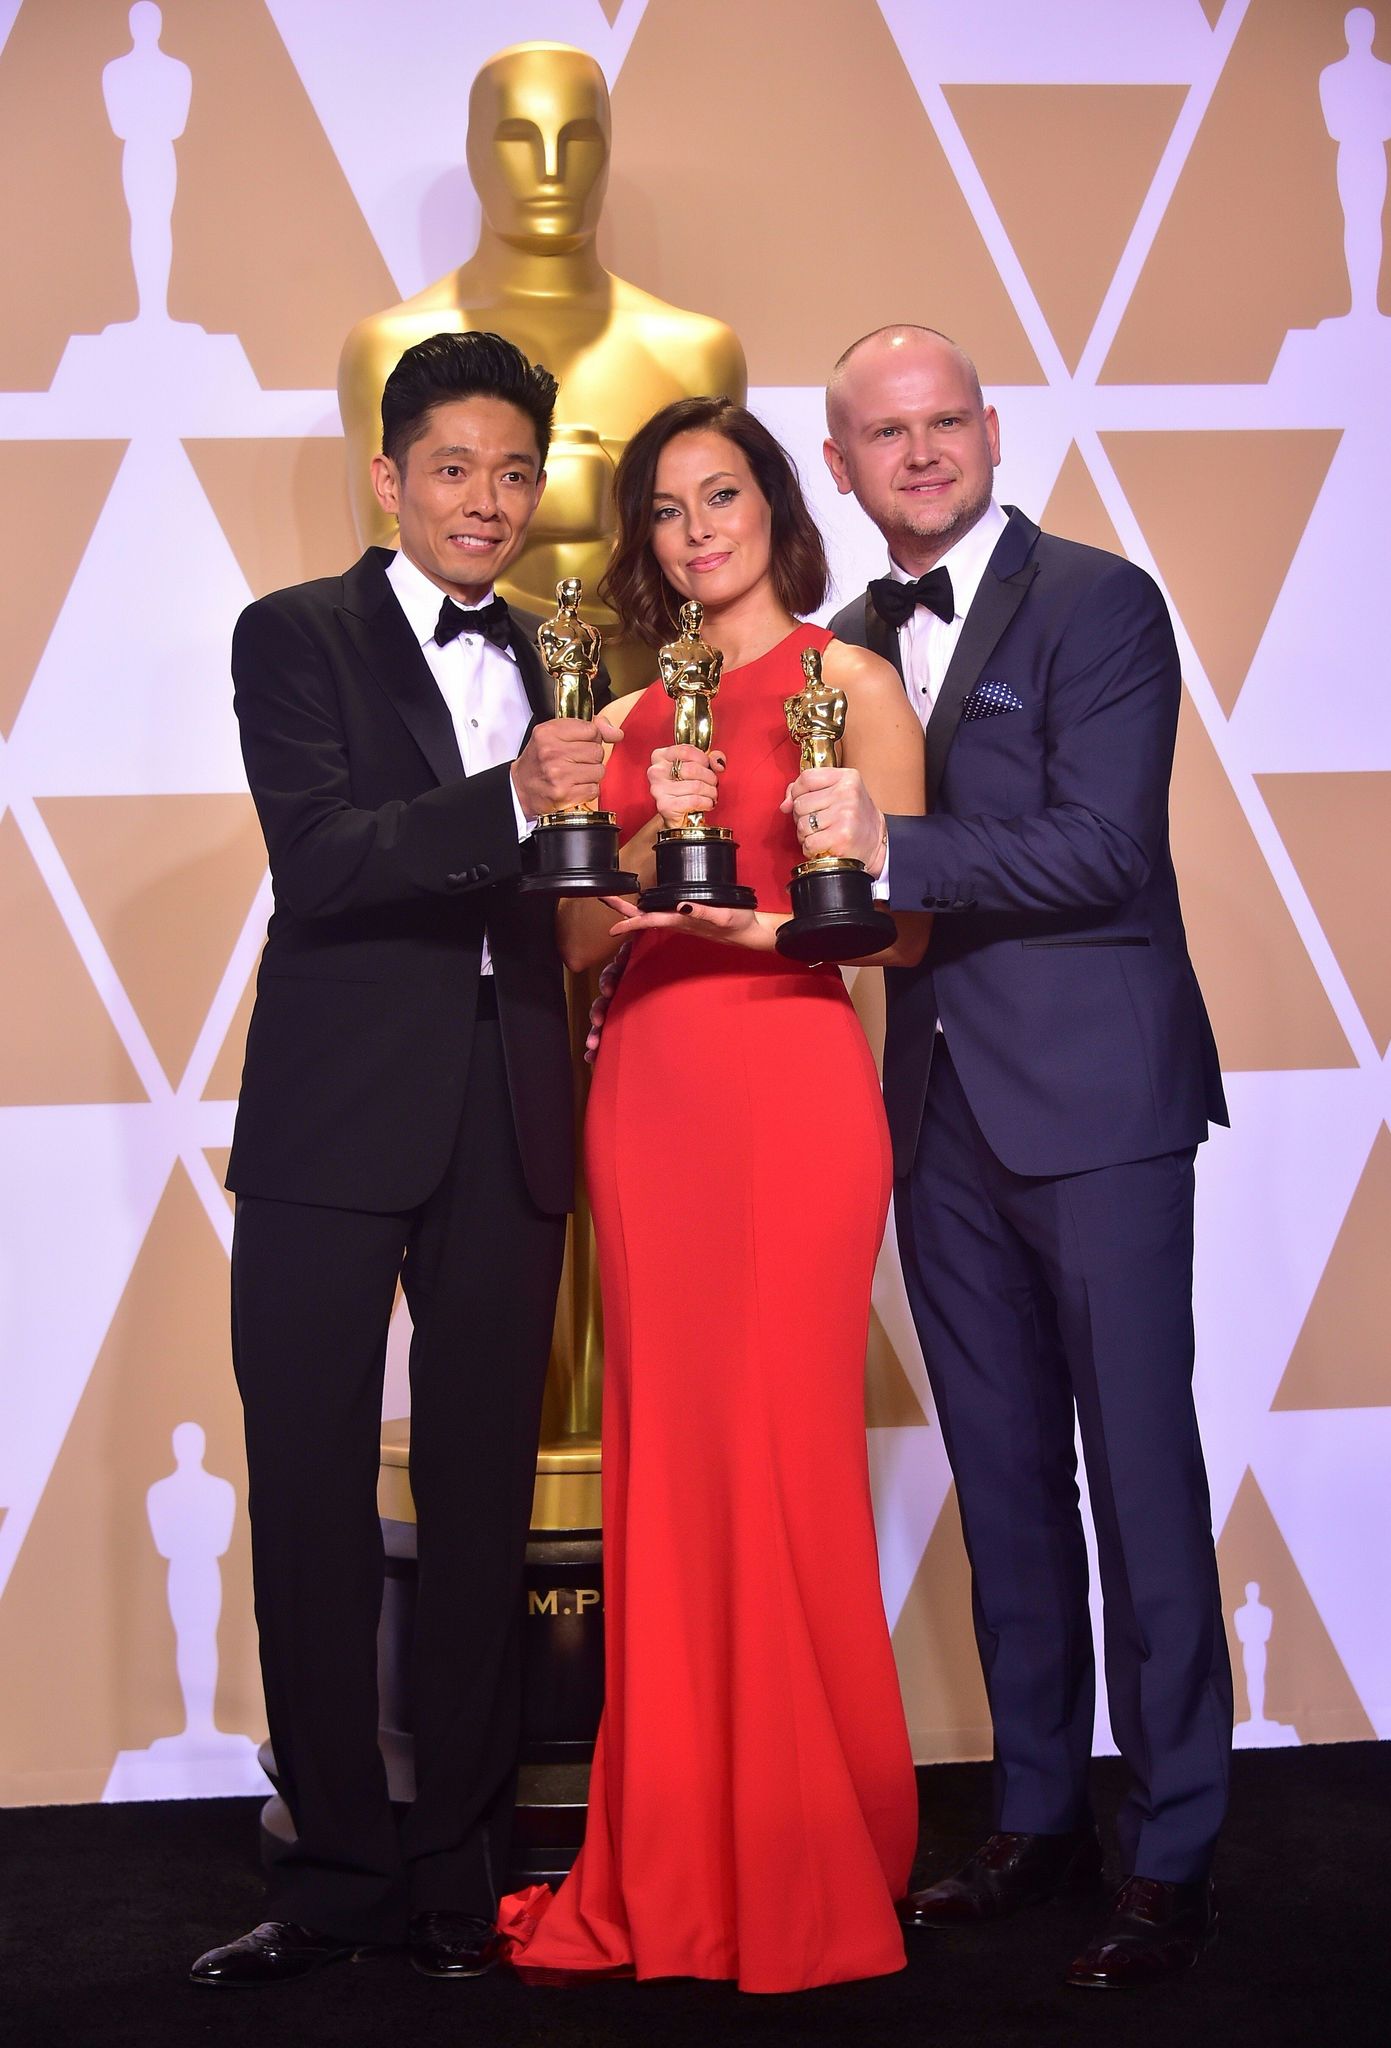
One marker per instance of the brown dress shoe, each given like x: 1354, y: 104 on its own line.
x: 453, y: 1944
x: 1155, y: 1930
x: 276, y: 1952
x: 1007, y: 1873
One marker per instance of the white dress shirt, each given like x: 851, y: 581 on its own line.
x: 926, y: 643
x: 481, y: 685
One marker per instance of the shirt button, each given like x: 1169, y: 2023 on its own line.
x: 474, y: 723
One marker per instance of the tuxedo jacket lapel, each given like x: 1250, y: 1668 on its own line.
x: 1011, y: 570
x: 378, y: 629
x: 540, y: 691
x: 880, y: 637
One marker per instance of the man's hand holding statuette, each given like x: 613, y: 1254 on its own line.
x: 560, y: 765
x: 835, y: 814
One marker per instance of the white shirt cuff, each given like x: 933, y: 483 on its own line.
x: 524, y: 823
x: 880, y: 884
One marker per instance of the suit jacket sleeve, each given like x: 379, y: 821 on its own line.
x: 327, y: 853
x: 1111, y: 718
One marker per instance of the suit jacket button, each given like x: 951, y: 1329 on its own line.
x: 482, y: 872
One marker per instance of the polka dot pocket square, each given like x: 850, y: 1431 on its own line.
x: 989, y: 700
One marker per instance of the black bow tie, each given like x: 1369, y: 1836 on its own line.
x: 492, y: 620
x: 896, y: 602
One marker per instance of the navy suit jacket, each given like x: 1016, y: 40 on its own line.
x: 1058, y: 962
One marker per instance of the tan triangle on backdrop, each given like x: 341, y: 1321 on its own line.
x: 224, y: 1082
x: 612, y: 10
x: 858, y: 222
x: 1337, y: 830
x: 51, y: 497
x: 1068, y: 167
x: 86, y: 1642
x: 269, y: 241
x: 890, y: 1402
x: 168, y: 882
x: 283, y: 505
x: 1306, y: 1685
x: 935, y: 1645
x: 1268, y: 1007
x: 867, y: 993
x: 217, y: 1157
x: 1342, y: 1355
x: 1074, y: 507
x: 65, y: 261
x: 1210, y: 305
x: 58, y: 1042
x: 1212, y: 9
x: 1223, y: 513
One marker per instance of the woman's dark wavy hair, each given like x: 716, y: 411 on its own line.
x: 635, y: 587
x: 446, y: 367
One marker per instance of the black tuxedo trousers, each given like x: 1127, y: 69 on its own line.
x: 312, y: 1293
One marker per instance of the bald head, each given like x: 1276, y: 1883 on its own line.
x: 881, y: 353
x: 910, y: 434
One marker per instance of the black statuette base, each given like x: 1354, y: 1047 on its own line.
x: 697, y: 866
x: 575, y: 855
x: 833, y: 915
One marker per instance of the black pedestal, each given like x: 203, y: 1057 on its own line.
x: 833, y: 914
x: 562, y: 1694
x: 697, y: 865
x: 575, y: 856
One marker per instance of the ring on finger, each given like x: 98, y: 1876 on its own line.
x: 676, y: 771
x: 813, y: 822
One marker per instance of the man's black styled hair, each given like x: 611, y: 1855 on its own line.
x: 453, y: 366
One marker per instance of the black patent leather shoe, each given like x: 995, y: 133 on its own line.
x: 453, y: 1944
x: 1156, y: 1930
x: 1006, y: 1874
x: 276, y: 1952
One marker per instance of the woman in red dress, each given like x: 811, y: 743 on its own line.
x: 752, y: 1810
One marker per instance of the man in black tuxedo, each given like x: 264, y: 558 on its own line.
x: 1049, y: 1071
x: 405, y: 1112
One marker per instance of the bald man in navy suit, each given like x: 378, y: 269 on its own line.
x: 1049, y: 1072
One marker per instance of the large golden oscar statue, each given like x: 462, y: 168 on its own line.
x: 538, y: 154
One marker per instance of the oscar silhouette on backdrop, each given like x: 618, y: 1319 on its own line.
x: 192, y: 1514
x: 147, y: 94
x: 1253, y: 1623
x: 539, y: 134
x: 1355, y: 95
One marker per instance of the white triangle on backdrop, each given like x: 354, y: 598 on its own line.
x: 78, y: 1188
x: 134, y: 694
x: 1323, y: 1474
x: 1315, y: 697
x: 1069, y: 42
x: 1272, y: 1195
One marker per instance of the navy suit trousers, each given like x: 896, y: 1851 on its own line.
x: 1042, y: 1304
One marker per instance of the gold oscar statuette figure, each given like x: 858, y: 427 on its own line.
x: 573, y: 852
x: 539, y: 137
x: 695, y: 861
x: 833, y: 913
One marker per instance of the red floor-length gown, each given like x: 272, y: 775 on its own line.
x: 752, y: 1811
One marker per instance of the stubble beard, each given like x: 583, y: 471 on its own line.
x: 943, y: 527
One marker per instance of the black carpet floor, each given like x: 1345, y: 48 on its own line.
x: 105, y: 1906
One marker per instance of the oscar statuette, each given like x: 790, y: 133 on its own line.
x: 695, y: 861
x: 573, y: 852
x: 833, y: 913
